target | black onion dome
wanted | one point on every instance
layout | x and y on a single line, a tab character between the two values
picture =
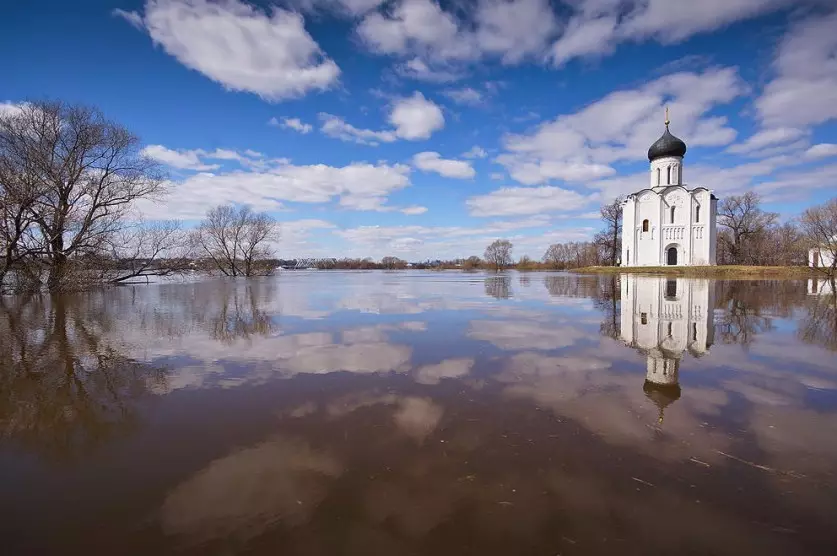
667	145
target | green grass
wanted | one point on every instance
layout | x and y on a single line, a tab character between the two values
729	271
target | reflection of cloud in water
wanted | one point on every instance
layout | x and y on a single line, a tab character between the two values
450	368
245	493
612	405
355	358
212	363
416	417
521	335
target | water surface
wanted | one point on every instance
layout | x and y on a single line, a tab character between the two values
328	413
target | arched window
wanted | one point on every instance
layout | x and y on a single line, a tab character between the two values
697	213
628	257
669	175
643	318
671	289
658	176
679	175
672	215
669	330
645	225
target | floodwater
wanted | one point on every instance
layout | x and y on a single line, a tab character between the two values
366	413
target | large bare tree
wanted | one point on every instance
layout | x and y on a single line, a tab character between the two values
498	254
609	240
77	175
744	222
142	249
236	240
819	224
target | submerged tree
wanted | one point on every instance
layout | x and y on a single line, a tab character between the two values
69	181
498	254
393	263
237	240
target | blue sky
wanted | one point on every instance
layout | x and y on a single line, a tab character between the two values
426	130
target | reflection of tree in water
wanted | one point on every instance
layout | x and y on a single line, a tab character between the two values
607	300
525	280
498	286
573	286
819	323
749	307
239	314
603	290
63	388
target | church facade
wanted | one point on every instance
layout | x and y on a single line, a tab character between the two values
668	224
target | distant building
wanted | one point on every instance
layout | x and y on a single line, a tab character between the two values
820	257
663	318
668	223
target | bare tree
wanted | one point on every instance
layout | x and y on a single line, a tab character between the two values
236	240
18	195
819	224
85	173
471	263
556	256
744	220
499	254
393	263
142	250
609	240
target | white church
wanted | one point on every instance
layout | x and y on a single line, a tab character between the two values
663	318
668	224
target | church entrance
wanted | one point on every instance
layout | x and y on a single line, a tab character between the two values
671	256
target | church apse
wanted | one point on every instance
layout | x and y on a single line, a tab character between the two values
664	318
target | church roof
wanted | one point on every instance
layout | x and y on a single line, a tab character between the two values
666	145
662	190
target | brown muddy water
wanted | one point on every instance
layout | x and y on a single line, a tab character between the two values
366	413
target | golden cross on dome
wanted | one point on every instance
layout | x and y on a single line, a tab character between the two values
667	120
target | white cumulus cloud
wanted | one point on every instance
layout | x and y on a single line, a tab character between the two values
182	159
804	90
335	126
292	123
475	152
465	95
415	117
581	146
527	200
356	186
433	162
243	48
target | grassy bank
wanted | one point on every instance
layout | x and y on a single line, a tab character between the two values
731	271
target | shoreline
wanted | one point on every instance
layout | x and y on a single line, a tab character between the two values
720	271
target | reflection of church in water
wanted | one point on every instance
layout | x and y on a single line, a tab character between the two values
663	318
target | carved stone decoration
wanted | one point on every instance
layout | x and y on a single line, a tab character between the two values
676	199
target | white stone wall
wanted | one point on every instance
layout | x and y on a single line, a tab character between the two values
662	325
820	257
690	228
666	171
